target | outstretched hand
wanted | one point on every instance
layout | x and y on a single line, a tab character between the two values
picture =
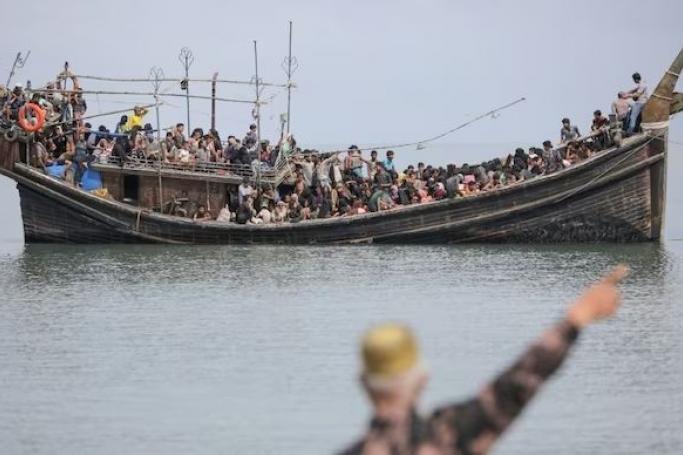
599	301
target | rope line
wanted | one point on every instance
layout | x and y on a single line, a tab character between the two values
446	133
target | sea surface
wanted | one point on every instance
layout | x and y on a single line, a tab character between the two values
156	349
254	350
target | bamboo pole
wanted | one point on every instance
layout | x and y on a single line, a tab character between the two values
105	114
219	81
112	92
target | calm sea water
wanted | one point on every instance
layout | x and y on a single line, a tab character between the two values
130	349
157	349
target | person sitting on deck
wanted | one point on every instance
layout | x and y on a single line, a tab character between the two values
264	214
353	162
224	216
202	214
14	102
280	214
294	210
600	123
393	378
251	137
179	134
122	126
246	211
230	150
244	190
4	95
78	104
168	148
568	131
383	178
202	154
552	157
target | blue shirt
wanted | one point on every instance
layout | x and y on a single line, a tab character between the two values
389	165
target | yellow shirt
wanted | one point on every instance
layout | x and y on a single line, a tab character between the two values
134	120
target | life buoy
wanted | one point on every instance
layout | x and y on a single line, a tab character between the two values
38	114
11	135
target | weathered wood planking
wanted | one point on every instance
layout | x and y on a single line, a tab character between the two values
615	196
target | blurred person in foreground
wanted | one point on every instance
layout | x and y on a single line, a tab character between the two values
393	377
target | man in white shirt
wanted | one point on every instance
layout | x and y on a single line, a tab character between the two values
639	96
244	190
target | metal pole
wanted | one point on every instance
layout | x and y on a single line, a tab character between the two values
187	59
213	101
19	63
157	74
289	79
258	124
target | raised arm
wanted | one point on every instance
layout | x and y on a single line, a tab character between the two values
473	426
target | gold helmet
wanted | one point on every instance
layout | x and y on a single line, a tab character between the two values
389	351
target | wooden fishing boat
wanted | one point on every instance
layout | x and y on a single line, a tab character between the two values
617	195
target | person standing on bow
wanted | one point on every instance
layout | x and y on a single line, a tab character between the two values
639	96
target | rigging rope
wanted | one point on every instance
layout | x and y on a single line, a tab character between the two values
445	133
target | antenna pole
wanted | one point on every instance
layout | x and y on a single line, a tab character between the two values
289	79
156	75
213	101
19	63
289	66
186	59
258	124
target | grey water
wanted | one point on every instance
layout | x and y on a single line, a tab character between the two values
150	349
219	349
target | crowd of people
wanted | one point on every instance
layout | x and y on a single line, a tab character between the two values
320	185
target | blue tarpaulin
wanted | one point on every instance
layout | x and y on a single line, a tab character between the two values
91	180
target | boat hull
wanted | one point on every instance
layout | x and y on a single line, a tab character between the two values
616	196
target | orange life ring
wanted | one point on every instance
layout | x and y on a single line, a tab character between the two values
38	114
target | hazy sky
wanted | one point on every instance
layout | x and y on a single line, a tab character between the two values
369	72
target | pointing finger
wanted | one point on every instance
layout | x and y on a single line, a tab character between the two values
617	274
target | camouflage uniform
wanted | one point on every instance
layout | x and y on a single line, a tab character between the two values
471	427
